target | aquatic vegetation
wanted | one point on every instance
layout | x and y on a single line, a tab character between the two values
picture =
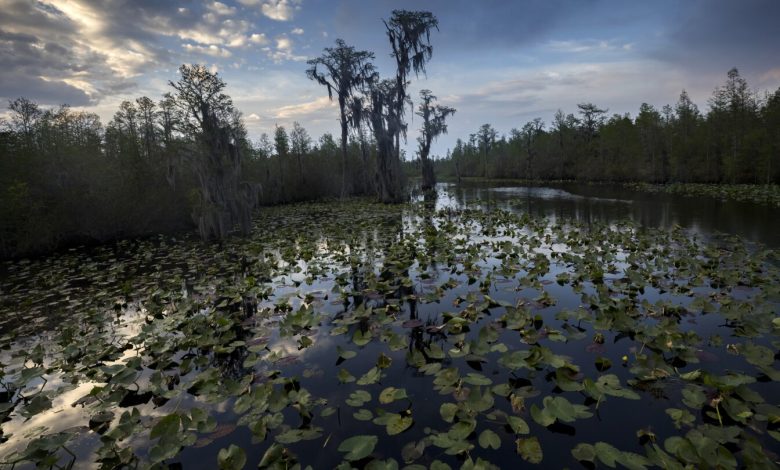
768	194
355	334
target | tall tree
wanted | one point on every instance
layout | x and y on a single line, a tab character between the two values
486	139
299	144
384	122
434	124
409	33
282	146
684	148
648	123
217	159
530	132
343	71
24	116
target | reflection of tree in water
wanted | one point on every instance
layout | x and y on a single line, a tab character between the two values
231	364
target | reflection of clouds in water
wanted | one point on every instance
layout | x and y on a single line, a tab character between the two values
552	194
59	417
286	347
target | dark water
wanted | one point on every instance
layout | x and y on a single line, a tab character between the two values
615	421
608	203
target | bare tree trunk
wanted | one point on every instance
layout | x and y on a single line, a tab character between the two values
344	128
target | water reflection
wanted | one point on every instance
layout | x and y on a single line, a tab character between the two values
606	203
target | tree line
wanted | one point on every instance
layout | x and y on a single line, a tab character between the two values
186	160
736	141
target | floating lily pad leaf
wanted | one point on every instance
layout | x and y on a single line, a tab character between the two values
370	377
358	397
391	394
564	410
304	342
439	465
447	411
363	415
413	451
518	425
489	439
476	379
514	360
328	411
584	452
758	355
502	390
633	461
358	447
606	453
434	352
292	436
361	338
462	429
397	424
692	375
542	415
345	353
384	361
389	464
38	404
232	458
166	426
345	377
28	374
126	376
398	342
693	396
602	364
166	449
529	449
681	417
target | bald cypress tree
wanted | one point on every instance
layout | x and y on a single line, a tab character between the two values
216	159
344	71
434	124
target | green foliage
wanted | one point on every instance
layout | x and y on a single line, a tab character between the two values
736	141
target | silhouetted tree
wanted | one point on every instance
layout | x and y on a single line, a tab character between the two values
209	114
299	144
434	124
343	71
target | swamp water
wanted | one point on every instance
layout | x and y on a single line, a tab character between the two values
505	326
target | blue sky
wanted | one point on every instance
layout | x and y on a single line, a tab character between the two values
500	62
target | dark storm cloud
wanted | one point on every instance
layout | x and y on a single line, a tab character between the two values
48	56
715	35
26	60
465	24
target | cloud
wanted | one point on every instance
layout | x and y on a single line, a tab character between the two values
311	109
298	31
221	9
258	38
283	50
211	50
713	36
280	10
587	46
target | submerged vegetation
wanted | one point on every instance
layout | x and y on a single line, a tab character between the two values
354	334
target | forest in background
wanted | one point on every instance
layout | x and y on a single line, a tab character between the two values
186	161
737	140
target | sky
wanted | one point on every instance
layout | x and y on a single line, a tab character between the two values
496	61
